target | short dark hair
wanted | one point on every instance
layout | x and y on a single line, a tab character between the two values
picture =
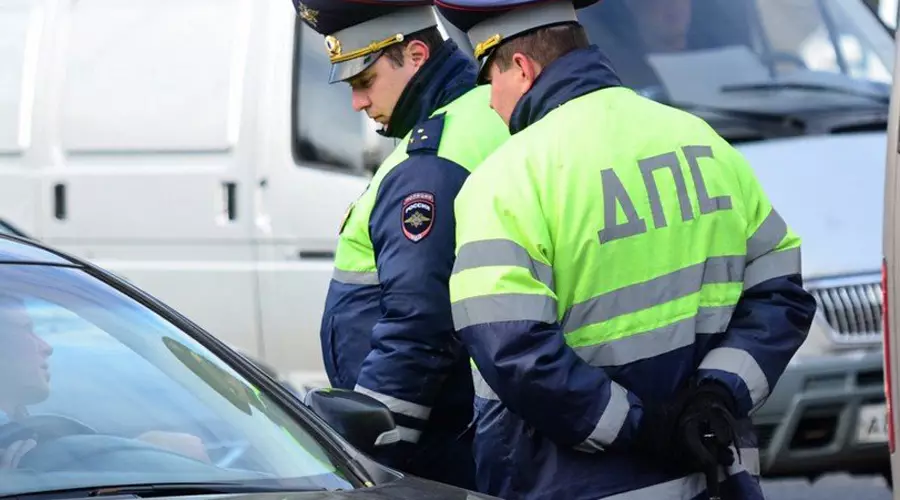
543	45
431	37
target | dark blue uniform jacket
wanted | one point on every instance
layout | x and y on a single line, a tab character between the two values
396	338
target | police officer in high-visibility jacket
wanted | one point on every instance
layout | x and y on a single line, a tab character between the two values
387	329
626	290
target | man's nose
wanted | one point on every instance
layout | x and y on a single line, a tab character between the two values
360	100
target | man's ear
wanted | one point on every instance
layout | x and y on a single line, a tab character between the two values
526	69
417	53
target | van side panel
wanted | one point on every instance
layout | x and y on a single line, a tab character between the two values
310	168
21	28
892	257
149	157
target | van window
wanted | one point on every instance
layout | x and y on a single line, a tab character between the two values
154	75
15	18
826	36
328	133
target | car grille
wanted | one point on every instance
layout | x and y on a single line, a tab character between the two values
853	311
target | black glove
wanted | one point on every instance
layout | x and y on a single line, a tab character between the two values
707	427
655	437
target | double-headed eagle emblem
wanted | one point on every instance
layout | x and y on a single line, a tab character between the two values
309	15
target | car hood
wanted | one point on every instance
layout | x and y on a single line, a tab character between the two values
401	489
830	190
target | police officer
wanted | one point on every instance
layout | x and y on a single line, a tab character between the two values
387	329
626	290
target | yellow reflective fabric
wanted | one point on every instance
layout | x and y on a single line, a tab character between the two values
612	232
471	131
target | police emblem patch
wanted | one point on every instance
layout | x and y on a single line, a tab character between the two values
309	15
418	216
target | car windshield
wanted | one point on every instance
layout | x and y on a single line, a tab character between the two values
97	390
727	52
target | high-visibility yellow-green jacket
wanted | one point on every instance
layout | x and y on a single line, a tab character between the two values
606	253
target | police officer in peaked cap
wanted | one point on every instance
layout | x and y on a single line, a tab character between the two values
625	288
387	328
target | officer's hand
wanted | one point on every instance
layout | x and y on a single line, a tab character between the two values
657	433
707	428
10	457
706	443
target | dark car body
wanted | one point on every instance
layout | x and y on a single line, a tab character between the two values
369	479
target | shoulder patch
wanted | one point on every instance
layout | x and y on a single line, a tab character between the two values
417	215
426	136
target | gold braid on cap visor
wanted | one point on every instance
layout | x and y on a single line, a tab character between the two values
486	45
333	45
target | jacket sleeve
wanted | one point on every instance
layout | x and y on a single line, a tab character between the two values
773	315
413	343
505	310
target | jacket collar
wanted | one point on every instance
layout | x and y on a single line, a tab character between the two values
573	75
446	75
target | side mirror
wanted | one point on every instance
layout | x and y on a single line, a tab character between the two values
363	421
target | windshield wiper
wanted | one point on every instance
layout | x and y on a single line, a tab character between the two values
157	490
818	87
780	119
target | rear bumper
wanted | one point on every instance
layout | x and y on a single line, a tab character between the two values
808	426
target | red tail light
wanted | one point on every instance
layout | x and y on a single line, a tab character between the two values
886	329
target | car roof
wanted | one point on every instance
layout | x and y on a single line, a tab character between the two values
15	250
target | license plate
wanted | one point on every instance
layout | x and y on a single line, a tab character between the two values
871	426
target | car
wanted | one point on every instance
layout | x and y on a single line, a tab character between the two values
800	88
105	391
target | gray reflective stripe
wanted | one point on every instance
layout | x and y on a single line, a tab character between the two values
501	253
742	364
503	307
408	435
355	277
657	341
685	488
689	487
397	405
611	421
633	298
767	236
482	389
772	265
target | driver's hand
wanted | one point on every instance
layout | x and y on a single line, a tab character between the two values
10	457
184	444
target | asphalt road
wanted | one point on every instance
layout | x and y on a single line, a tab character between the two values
833	487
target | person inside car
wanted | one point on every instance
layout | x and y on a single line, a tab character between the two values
25	381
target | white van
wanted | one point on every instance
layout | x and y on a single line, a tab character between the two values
193	147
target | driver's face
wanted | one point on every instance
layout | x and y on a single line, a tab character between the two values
24	372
